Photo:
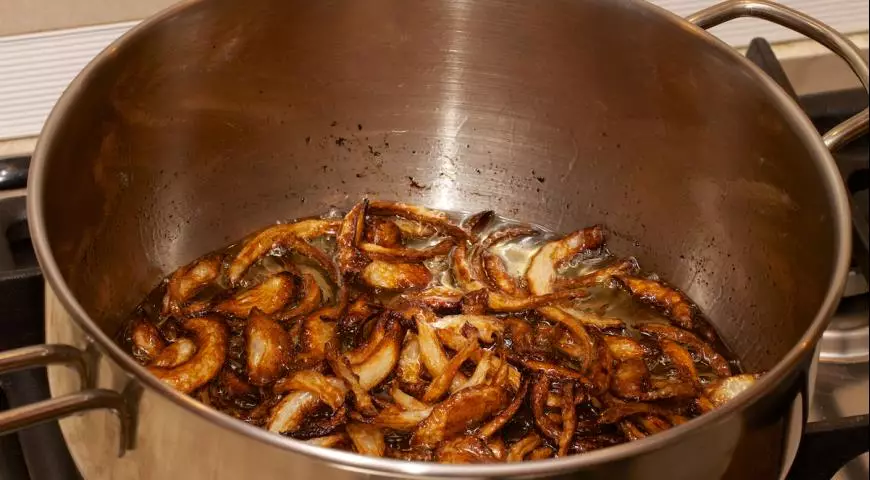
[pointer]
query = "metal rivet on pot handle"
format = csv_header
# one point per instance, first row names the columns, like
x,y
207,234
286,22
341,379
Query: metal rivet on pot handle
x,y
811,28
60,407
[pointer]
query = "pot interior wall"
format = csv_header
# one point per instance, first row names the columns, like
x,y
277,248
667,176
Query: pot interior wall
x,y
231,115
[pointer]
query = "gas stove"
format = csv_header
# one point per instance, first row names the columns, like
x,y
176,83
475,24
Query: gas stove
x,y
839,424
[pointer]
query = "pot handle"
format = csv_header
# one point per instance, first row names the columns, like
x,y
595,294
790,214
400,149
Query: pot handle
x,y
794,20
56,408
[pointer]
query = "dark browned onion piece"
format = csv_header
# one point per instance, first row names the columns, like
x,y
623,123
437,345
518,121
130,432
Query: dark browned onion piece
x,y
569,419
395,276
287,236
176,353
679,309
269,296
464,450
505,415
713,358
404,254
147,340
367,439
442,382
520,449
185,282
268,349
433,218
339,365
210,335
350,259
540,390
461,411
310,301
528,373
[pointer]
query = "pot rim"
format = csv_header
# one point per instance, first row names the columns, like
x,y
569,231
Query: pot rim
x,y
831,182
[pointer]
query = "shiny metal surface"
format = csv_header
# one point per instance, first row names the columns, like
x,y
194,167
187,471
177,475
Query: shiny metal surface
x,y
60,407
219,116
841,391
81,362
846,339
13,172
811,28
44,355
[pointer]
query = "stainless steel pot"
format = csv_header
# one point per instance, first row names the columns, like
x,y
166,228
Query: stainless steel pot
x,y
219,116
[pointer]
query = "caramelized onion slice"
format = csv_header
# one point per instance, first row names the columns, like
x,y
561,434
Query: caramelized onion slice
x,y
410,366
431,352
269,296
505,415
480,371
674,303
178,352
401,420
523,447
367,439
542,270
623,348
329,390
406,401
147,340
690,340
442,382
437,298
340,367
726,389
498,302
497,446
488,266
496,271
350,260
627,266
211,336
460,266
383,233
188,280
540,453
371,345
380,364
329,441
488,327
556,371
414,229
585,353
288,415
310,300
459,412
288,236
268,348
434,218
682,361
465,450
569,419
540,392
617,413
396,276
316,333
405,254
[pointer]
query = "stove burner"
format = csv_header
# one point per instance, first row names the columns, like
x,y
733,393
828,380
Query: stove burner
x,y
846,340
